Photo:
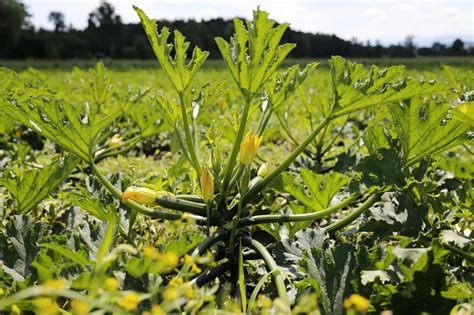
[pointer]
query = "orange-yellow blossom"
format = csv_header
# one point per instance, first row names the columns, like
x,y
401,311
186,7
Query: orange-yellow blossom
x,y
207,185
249,147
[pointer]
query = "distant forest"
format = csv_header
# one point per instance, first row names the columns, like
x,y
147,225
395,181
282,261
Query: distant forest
x,y
107,36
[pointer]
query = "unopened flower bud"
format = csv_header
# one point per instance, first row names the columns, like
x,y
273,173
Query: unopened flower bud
x,y
249,148
263,170
115,141
207,185
141,195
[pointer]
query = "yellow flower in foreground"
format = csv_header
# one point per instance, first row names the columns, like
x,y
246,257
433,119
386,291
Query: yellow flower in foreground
x,y
170,259
157,310
79,307
151,252
249,148
15,310
189,291
46,306
2,291
188,260
170,294
264,301
176,281
141,195
55,284
129,301
358,302
110,284
207,185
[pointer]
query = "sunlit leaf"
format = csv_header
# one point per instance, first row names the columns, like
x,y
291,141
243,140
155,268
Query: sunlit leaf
x,y
356,88
75,127
424,128
179,70
318,189
31,186
254,53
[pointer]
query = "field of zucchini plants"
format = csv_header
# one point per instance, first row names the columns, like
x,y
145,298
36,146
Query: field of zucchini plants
x,y
249,188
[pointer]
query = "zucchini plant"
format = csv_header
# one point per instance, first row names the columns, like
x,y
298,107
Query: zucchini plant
x,y
405,123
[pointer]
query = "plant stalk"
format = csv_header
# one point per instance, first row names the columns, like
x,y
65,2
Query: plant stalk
x,y
271,264
262,184
189,137
336,226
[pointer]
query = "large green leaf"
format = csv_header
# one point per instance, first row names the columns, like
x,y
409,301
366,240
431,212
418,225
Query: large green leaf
x,y
383,169
78,257
75,127
179,71
31,186
281,84
19,245
254,53
326,270
464,112
318,189
356,88
423,127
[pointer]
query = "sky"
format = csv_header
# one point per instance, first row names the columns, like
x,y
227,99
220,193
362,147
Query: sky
x,y
388,21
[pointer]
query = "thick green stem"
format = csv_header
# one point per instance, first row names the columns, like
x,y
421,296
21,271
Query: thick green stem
x,y
233,155
271,264
213,273
156,214
280,218
182,145
189,137
262,184
460,252
124,147
243,188
182,205
237,175
217,236
336,226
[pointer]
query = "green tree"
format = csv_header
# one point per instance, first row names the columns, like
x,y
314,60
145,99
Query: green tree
x,y
57,18
13,16
104,28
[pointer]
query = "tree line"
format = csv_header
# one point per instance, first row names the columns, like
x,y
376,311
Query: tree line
x,y
107,36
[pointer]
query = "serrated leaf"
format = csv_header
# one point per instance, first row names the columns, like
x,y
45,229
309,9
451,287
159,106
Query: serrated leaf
x,y
23,233
384,169
318,190
449,236
179,71
78,257
83,199
281,84
458,291
31,186
414,258
150,118
75,127
100,88
424,128
254,52
370,276
356,88
375,138
328,272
